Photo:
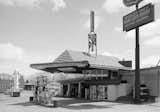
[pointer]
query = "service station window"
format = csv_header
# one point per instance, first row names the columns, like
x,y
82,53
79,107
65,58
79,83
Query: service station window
x,y
114,75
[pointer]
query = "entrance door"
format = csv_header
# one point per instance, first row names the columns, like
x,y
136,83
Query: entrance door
x,y
74,90
106,95
65,88
82,91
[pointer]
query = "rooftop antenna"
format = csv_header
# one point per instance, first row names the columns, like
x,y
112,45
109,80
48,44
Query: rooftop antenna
x,y
92,36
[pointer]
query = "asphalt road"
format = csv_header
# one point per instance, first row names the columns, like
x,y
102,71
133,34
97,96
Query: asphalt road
x,y
22,104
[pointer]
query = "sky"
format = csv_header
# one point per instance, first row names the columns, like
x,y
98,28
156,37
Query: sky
x,y
37,31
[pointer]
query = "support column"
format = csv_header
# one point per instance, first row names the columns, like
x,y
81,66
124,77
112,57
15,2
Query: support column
x,y
61,91
79,90
68,91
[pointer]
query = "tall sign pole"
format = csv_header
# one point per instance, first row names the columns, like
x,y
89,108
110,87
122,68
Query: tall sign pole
x,y
137,66
134,20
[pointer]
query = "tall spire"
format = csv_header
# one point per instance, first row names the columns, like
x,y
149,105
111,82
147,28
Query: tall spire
x,y
92,37
92,21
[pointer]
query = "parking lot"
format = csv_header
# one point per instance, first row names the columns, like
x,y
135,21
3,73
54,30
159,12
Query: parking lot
x,y
22,104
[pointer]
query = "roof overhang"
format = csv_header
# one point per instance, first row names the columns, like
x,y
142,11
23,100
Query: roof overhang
x,y
61,67
108,67
92,81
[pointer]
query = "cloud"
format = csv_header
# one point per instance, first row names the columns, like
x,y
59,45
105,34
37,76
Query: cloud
x,y
128,35
155,42
149,30
112,6
56,4
118,29
107,54
150,33
150,61
98,20
10,51
16,58
153,1
21,3
127,55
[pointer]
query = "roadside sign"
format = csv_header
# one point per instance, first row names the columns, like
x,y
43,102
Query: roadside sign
x,y
138,17
129,3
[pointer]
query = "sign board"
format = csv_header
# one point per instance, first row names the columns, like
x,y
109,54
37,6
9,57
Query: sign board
x,y
129,3
139,17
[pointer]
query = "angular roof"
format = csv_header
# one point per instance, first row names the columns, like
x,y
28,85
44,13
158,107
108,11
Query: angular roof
x,y
98,61
73,61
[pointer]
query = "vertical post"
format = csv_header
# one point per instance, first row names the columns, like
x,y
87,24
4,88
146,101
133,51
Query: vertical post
x,y
61,91
96,45
158,89
79,89
137,66
69,89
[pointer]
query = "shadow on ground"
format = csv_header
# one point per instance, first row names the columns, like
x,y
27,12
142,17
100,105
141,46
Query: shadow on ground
x,y
24,104
85,106
77,104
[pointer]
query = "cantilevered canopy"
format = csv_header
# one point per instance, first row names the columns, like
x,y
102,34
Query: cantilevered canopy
x,y
71,67
74,62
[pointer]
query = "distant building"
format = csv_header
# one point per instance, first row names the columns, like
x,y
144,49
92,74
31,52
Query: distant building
x,y
21,82
6,82
29,85
18,80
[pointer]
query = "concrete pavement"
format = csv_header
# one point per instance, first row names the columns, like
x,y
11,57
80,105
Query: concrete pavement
x,y
22,104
